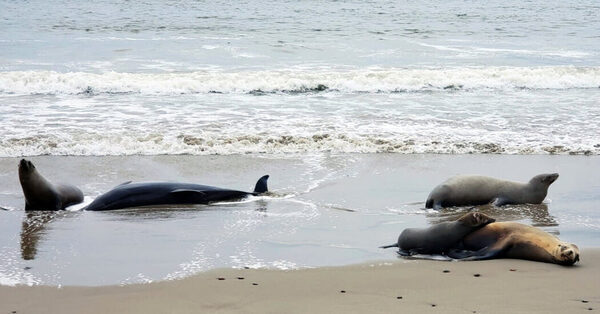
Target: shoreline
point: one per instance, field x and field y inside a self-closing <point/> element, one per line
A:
<point x="494" y="286"/>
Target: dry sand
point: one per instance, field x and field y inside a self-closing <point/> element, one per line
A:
<point x="408" y="286"/>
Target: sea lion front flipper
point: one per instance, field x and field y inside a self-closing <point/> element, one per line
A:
<point x="402" y="252"/>
<point x="466" y="255"/>
<point x="501" y="201"/>
<point x="460" y="254"/>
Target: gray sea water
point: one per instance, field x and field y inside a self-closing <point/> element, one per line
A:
<point x="196" y="77"/>
<point x="303" y="87"/>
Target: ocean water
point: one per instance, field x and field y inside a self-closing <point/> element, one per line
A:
<point x="194" y="77"/>
<point x="311" y="92"/>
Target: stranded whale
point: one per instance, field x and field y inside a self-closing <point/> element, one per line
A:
<point x="163" y="193"/>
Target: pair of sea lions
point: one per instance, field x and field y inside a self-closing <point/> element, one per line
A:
<point x="439" y="238"/>
<point x="479" y="190"/>
<point x="41" y="194"/>
<point x="476" y="236"/>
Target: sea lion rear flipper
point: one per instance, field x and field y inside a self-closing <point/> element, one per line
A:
<point x="124" y="183"/>
<point x="389" y="246"/>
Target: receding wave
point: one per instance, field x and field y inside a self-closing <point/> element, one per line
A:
<point x="300" y="80"/>
<point x="156" y="144"/>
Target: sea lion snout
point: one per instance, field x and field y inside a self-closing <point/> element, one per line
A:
<point x="551" y="178"/>
<point x="568" y="254"/>
<point x="26" y="165"/>
<point x="476" y="219"/>
<point x="545" y="179"/>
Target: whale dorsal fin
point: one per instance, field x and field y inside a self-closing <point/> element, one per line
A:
<point x="261" y="185"/>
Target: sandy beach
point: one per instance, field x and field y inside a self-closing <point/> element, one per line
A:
<point x="407" y="286"/>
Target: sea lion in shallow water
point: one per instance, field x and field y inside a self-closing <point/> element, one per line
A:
<point x="479" y="190"/>
<point x="41" y="194"/>
<point x="164" y="193"/>
<point x="439" y="238"/>
<point x="515" y="240"/>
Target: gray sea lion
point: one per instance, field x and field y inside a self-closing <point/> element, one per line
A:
<point x="515" y="240"/>
<point x="439" y="238"/>
<point x="41" y="194"/>
<point x="163" y="193"/>
<point x="479" y="190"/>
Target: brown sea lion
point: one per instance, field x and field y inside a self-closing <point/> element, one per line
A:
<point x="41" y="194"/>
<point x="439" y="238"/>
<point x="479" y="190"/>
<point x="515" y="240"/>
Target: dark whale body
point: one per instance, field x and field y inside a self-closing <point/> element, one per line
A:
<point x="164" y="193"/>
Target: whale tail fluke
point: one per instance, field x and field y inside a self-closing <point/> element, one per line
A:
<point x="261" y="185"/>
<point x="389" y="246"/>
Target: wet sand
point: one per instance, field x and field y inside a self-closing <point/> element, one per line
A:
<point x="407" y="286"/>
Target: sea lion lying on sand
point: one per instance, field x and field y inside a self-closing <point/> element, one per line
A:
<point x="41" y="194"/>
<point x="515" y="240"/>
<point x="439" y="238"/>
<point x="479" y="190"/>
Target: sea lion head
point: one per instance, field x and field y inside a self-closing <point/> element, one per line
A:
<point x="566" y="253"/>
<point x="476" y="219"/>
<point x="544" y="179"/>
<point x="26" y="167"/>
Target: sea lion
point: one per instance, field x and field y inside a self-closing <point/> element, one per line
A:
<point x="439" y="238"/>
<point x="41" y="194"/>
<point x="515" y="240"/>
<point x="163" y="193"/>
<point x="479" y="190"/>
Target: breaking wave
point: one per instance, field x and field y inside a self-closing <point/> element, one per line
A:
<point x="132" y="144"/>
<point x="300" y="81"/>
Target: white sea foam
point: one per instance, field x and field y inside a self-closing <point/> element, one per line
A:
<point x="294" y="80"/>
<point x="219" y="144"/>
<point x="480" y="50"/>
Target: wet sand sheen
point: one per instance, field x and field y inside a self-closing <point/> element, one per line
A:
<point x="410" y="286"/>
